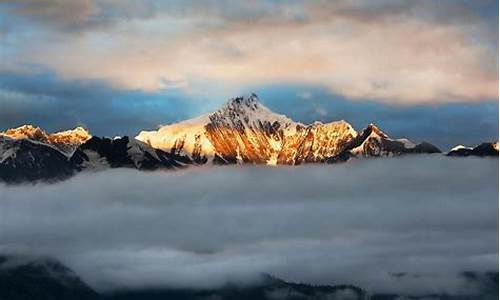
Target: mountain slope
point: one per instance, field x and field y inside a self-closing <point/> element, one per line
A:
<point x="373" y="142"/>
<point x="24" y="278"/>
<point x="243" y="129"/>
<point x="246" y="131"/>
<point x="101" y="153"/>
<point x="27" y="160"/>
<point x="316" y="142"/>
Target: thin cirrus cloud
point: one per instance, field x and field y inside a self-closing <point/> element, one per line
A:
<point x="391" y="51"/>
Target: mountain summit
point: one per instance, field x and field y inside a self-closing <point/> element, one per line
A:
<point x="244" y="130"/>
<point x="243" y="125"/>
<point x="65" y="141"/>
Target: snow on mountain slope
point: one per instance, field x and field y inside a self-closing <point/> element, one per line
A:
<point x="183" y="138"/>
<point x="372" y="142"/>
<point x="458" y="147"/>
<point x="245" y="130"/>
<point x="376" y="143"/>
<point x="65" y="141"/>
<point x="242" y="125"/>
<point x="8" y="149"/>
<point x="406" y="142"/>
<point x="316" y="142"/>
<point x="100" y="153"/>
<point x="27" y="160"/>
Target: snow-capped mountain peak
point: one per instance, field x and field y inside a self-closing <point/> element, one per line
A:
<point x="458" y="147"/>
<point x="26" y="131"/>
<point x="77" y="133"/>
<point x="65" y="141"/>
<point x="249" y="110"/>
<point x="375" y="131"/>
<point x="208" y="136"/>
<point x="244" y="129"/>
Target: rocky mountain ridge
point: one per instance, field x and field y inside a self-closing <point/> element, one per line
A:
<point x="65" y="141"/>
<point x="120" y="152"/>
<point x="483" y="149"/>
<point x="243" y="131"/>
<point x="26" y="160"/>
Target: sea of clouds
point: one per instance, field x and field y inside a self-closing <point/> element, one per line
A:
<point x="388" y="225"/>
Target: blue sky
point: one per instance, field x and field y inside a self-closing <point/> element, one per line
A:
<point x="425" y="70"/>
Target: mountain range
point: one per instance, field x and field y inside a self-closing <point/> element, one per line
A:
<point x="243" y="131"/>
<point x="45" y="278"/>
<point x="246" y="131"/>
<point x="483" y="149"/>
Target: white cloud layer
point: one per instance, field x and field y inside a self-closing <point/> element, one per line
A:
<point x="391" y="51"/>
<point x="429" y="217"/>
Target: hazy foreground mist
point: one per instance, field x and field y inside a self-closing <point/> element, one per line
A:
<point x="407" y="224"/>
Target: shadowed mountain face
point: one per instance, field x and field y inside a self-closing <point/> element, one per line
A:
<point x="25" y="160"/>
<point x="124" y="153"/>
<point x="23" y="278"/>
<point x="372" y="142"/>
